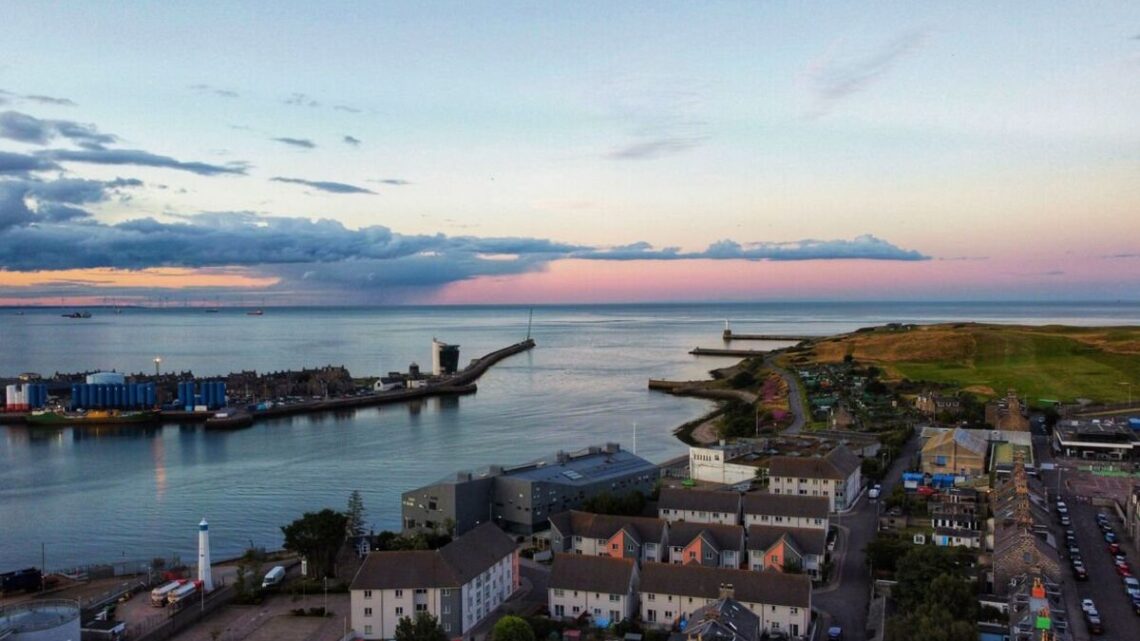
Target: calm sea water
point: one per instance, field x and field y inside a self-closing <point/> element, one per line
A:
<point x="99" y="496"/>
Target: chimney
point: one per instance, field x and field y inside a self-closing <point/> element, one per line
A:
<point x="560" y="457"/>
<point x="612" y="448"/>
<point x="726" y="591"/>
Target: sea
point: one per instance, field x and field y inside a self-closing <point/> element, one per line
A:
<point x="73" y="497"/>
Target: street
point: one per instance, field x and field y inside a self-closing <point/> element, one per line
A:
<point x="846" y="604"/>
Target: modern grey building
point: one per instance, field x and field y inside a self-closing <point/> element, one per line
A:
<point x="520" y="499"/>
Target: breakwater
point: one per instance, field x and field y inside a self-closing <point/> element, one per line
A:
<point x="714" y="351"/>
<point x="729" y="336"/>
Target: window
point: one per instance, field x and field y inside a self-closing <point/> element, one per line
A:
<point x="445" y="592"/>
<point x="368" y="594"/>
<point x="368" y="630"/>
<point x="447" y="627"/>
<point x="421" y="607"/>
<point x="558" y="592"/>
<point x="651" y="597"/>
<point x="399" y="612"/>
<point x="795" y="610"/>
<point x="446" y="609"/>
<point x="708" y="556"/>
<point x="367" y="612"/>
<point x="577" y="609"/>
<point x="651" y="615"/>
<point x="629" y="547"/>
<point x="424" y="590"/>
<point x="692" y="555"/>
<point x="597" y="611"/>
<point x="559" y="610"/>
<point x="668" y="615"/>
<point x="399" y="594"/>
<point x="614" y="598"/>
<point x="614" y="547"/>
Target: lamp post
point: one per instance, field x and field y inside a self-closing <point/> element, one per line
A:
<point x="157" y="363"/>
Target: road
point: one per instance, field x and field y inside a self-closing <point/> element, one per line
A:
<point x="846" y="604"/>
<point x="795" y="403"/>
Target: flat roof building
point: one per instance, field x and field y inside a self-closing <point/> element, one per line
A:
<point x="1098" y="440"/>
<point x="520" y="499"/>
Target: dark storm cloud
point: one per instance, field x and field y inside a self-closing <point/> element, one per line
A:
<point x="28" y="129"/>
<point x="13" y="163"/>
<point x="140" y="158"/>
<point x="303" y="143"/>
<point x="325" y="185"/>
<point x="26" y="201"/>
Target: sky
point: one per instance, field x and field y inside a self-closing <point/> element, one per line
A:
<point x="266" y="153"/>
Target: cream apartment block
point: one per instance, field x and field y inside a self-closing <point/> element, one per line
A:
<point x="460" y="583"/>
<point x="698" y="506"/>
<point x="603" y="587"/>
<point x="786" y="510"/>
<point x="669" y="593"/>
<point x="836" y="476"/>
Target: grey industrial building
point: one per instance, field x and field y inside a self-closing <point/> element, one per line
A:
<point x="520" y="499"/>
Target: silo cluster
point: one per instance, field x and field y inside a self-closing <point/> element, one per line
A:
<point x="22" y="397"/>
<point x="123" y="396"/>
<point x="210" y="394"/>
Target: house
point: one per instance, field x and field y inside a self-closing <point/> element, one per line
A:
<point x="601" y="587"/>
<point x="679" y="504"/>
<point x="723" y="463"/>
<point x="1037" y="610"/>
<point x="933" y="403"/>
<point x="632" y="537"/>
<point x="461" y="584"/>
<point x="670" y="593"/>
<point x="785" y="510"/>
<point x="785" y="549"/>
<point x="837" y="476"/>
<point x="1020" y="528"/>
<point x="958" y="516"/>
<point x="522" y="498"/>
<point x="953" y="537"/>
<point x="959" y="451"/>
<point x="708" y="544"/>
<point x="723" y="620"/>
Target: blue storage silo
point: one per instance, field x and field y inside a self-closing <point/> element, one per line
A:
<point x="84" y="395"/>
<point x="207" y="393"/>
<point x="75" y="399"/>
<point x="116" y="396"/>
<point x="40" y="396"/>
<point x="132" y="398"/>
<point x="151" y="395"/>
<point x="100" y="397"/>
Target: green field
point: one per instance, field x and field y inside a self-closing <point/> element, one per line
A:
<point x="1058" y="363"/>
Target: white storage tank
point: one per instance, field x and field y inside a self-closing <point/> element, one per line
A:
<point x="106" y="378"/>
<point x="47" y="620"/>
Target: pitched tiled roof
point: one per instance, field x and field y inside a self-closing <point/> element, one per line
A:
<point x="806" y="540"/>
<point x="448" y="567"/>
<point x="839" y="464"/>
<point x="724" y="537"/>
<point x="971" y="440"/>
<point x="591" y="573"/>
<point x="786" y="505"/>
<point x="603" y="526"/>
<point x="724" y="620"/>
<point x="769" y="588"/>
<point x="673" y="498"/>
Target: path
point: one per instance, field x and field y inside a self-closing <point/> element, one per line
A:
<point x="795" y="403"/>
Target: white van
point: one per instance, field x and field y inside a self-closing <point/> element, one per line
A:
<point x="274" y="577"/>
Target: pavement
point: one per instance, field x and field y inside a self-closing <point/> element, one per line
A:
<point x="795" y="403"/>
<point x="845" y="603"/>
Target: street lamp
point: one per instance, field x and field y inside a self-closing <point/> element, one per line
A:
<point x="157" y="362"/>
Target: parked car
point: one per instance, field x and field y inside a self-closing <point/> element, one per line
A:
<point x="1132" y="587"/>
<point x="1065" y="520"/>
<point x="1080" y="572"/>
<point x="875" y="491"/>
<point x="835" y="633"/>
<point x="1087" y="604"/>
<point x="1095" y="626"/>
<point x="1114" y="548"/>
<point x="1110" y="537"/>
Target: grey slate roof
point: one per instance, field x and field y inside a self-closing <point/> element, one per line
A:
<point x="786" y="505"/>
<point x="699" y="581"/>
<point x="806" y="540"/>
<point x="839" y="464"/>
<point x="724" y="620"/>
<point x="603" y="526"/>
<point x="601" y="574"/>
<point x="672" y="498"/>
<point x="448" y="567"/>
<point x="724" y="537"/>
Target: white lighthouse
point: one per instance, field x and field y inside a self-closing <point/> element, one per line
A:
<point x="204" y="575"/>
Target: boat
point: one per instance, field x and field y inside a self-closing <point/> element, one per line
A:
<point x="211" y="310"/>
<point x="77" y="315"/>
<point x="92" y="417"/>
<point x="254" y="312"/>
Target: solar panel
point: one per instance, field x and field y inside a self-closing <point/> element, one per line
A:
<point x="572" y="475"/>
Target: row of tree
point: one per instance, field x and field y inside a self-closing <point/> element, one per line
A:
<point x="425" y="627"/>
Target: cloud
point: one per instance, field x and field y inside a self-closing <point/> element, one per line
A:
<point x="393" y="182"/>
<point x="301" y="100"/>
<point x="652" y="148"/>
<point x="324" y="185"/>
<point x="7" y="96"/>
<point x="351" y="140"/>
<point x="833" y="79"/>
<point x="29" y="201"/>
<point x="140" y="158"/>
<point x="29" y="129"/>
<point x="216" y="91"/>
<point x="19" y="164"/>
<point x="865" y="247"/>
<point x="346" y="108"/>
<point x="304" y="143"/>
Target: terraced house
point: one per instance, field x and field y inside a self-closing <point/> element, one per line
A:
<point x="670" y="593"/>
<point x="460" y="583"/>
<point x="708" y="544"/>
<point x="787" y="549"/>
<point x="785" y="510"/>
<point x="632" y="537"/>
<point x="697" y="506"/>
<point x="601" y="587"/>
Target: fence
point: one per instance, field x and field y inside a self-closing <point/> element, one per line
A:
<point x="164" y="625"/>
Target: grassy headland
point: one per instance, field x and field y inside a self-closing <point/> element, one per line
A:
<point x="1048" y="362"/>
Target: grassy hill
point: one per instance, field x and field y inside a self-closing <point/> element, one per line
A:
<point x="1049" y="362"/>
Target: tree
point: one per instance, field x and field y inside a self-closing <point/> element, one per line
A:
<point x="355" y="514"/>
<point x="317" y="536"/>
<point x="512" y="628"/>
<point x="425" y="627"/>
